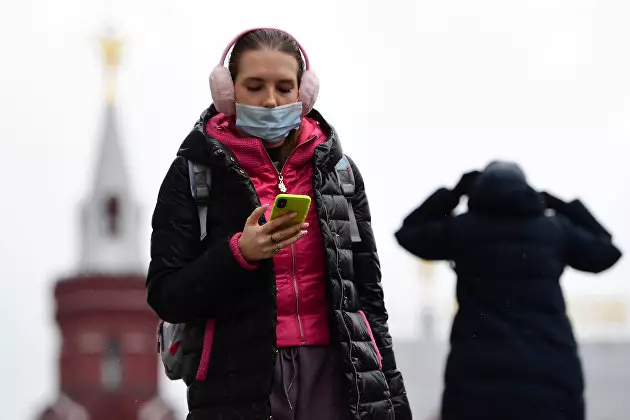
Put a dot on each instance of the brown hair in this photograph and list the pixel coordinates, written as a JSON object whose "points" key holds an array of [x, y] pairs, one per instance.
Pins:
{"points": [[271, 39], [276, 40]]}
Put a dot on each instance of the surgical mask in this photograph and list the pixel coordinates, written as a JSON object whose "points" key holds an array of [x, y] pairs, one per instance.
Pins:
{"points": [[270, 124]]}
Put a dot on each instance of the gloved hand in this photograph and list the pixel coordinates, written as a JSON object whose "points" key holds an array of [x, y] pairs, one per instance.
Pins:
{"points": [[553, 202], [465, 183]]}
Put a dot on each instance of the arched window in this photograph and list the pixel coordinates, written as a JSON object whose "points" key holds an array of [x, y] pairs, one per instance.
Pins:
{"points": [[112, 215], [111, 368]]}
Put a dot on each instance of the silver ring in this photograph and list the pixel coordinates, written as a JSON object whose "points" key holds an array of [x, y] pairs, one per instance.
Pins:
{"points": [[275, 251], [274, 240]]}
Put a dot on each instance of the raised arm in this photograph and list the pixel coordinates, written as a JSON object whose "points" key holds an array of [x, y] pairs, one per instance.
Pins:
{"points": [[426, 232], [589, 245]]}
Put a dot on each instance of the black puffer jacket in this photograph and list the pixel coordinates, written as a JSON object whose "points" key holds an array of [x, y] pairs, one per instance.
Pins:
{"points": [[189, 282], [513, 354]]}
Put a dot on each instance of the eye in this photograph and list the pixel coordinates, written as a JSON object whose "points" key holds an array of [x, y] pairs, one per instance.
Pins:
{"points": [[253, 88], [284, 90]]}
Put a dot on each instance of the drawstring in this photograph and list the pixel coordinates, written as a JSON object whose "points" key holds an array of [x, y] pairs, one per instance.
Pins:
{"points": [[286, 390], [290, 354]]}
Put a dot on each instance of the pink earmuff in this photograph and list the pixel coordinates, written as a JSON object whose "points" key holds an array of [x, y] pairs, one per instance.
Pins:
{"points": [[222, 85]]}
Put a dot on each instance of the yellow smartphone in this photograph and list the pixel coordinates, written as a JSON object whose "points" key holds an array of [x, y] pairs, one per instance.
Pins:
{"points": [[291, 203]]}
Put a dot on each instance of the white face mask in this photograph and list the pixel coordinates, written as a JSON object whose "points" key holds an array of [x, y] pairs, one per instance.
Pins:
{"points": [[270, 124]]}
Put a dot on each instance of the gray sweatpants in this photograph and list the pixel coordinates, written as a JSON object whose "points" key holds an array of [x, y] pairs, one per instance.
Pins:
{"points": [[307, 385]]}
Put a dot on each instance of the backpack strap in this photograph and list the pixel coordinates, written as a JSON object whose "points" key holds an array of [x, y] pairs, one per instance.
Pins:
{"points": [[345, 176], [200, 182]]}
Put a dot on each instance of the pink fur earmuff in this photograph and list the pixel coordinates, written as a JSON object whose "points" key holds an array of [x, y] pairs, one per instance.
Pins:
{"points": [[222, 85]]}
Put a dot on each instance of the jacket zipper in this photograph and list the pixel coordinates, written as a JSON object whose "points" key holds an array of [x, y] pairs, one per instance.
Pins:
{"points": [[283, 189], [297, 297], [343, 321], [281, 186]]}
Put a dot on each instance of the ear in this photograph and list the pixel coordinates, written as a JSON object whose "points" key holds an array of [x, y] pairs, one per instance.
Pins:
{"points": [[222, 90]]}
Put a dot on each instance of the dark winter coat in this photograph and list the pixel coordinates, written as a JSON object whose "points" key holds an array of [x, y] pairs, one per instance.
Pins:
{"points": [[513, 353], [189, 282]]}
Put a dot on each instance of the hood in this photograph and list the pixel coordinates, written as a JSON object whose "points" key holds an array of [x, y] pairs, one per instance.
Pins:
{"points": [[502, 189], [198, 147], [195, 146]]}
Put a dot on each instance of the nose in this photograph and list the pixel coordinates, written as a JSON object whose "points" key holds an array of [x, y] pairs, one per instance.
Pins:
{"points": [[270, 98]]}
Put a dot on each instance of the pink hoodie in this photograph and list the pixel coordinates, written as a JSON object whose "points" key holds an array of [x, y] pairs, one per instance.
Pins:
{"points": [[301, 269]]}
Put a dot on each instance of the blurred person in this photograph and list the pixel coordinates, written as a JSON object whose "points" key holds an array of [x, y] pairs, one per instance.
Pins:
{"points": [[513, 354], [298, 324]]}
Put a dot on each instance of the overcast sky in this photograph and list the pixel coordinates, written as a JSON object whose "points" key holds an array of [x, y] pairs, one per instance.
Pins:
{"points": [[419, 91]]}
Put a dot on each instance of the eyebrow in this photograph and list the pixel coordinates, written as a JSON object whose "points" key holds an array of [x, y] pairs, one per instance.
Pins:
{"points": [[260, 80]]}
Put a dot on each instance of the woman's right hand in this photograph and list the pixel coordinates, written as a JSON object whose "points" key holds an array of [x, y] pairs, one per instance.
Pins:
{"points": [[262, 242]]}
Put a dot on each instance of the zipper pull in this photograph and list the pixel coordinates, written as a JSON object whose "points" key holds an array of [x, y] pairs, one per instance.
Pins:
{"points": [[281, 186]]}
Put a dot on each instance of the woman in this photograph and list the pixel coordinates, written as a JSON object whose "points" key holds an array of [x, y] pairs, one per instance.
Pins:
{"points": [[288, 323], [513, 354]]}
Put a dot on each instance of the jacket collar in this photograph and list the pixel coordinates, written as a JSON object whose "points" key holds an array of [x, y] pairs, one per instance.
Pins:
{"points": [[202, 148]]}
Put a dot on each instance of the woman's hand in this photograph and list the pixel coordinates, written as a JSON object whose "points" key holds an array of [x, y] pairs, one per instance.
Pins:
{"points": [[262, 242]]}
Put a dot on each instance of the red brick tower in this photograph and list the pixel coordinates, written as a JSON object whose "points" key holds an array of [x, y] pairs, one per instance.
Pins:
{"points": [[108, 360]]}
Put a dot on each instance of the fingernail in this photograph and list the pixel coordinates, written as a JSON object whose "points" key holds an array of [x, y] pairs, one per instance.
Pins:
{"points": [[265, 206], [304, 232], [305, 225], [293, 214]]}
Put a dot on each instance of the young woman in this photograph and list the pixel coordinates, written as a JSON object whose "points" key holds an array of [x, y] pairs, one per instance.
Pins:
{"points": [[513, 354], [281, 322]]}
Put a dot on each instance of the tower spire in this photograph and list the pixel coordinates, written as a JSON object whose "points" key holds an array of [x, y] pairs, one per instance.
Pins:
{"points": [[109, 369], [111, 48], [109, 225]]}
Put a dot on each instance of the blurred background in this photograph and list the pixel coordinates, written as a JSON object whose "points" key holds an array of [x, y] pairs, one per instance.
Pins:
{"points": [[429, 88]]}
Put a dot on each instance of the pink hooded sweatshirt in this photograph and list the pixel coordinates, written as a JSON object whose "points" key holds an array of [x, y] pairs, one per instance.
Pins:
{"points": [[300, 269]]}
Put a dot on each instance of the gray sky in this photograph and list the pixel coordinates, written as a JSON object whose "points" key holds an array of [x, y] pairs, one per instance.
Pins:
{"points": [[419, 91]]}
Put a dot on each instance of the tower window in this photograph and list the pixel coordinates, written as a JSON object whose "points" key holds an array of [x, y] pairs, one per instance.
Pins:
{"points": [[111, 369], [112, 215]]}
